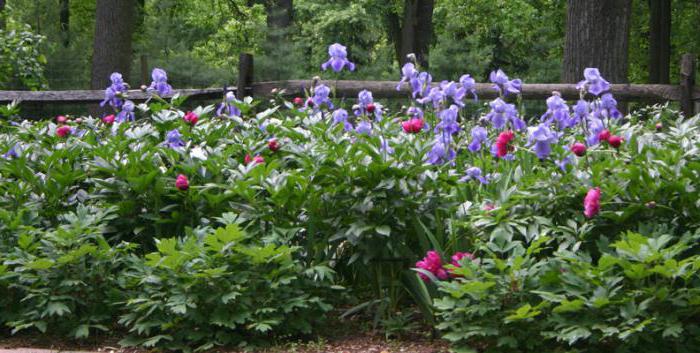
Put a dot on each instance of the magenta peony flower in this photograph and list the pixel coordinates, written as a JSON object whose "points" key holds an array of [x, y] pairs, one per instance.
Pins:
{"points": [[182, 183], [433, 264], [63, 131], [191, 118], [591, 203], [615, 141], [413, 126], [273, 145], [257, 159], [109, 119], [604, 135]]}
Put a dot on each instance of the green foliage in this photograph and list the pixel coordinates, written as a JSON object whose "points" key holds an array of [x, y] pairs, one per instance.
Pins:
{"points": [[63, 280], [639, 294], [224, 289], [21, 63]]}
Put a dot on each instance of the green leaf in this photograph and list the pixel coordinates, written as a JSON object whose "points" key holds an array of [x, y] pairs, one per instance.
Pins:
{"points": [[383, 230]]}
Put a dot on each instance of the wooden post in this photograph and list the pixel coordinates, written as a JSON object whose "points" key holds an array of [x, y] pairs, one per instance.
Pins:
{"points": [[245, 76], [687, 84], [144, 70]]}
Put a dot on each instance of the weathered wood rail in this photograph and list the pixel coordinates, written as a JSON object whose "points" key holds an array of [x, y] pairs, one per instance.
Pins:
{"points": [[686, 93]]}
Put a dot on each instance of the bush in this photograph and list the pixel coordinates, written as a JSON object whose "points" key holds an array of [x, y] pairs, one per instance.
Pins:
{"points": [[225, 289], [64, 280], [640, 295]]}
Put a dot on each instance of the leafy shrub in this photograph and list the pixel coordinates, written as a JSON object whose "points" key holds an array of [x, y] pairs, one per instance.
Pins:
{"points": [[64, 280], [21, 63], [641, 294], [224, 289]]}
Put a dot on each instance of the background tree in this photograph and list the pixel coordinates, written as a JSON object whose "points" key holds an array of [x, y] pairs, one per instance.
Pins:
{"points": [[659, 41], [112, 49], [412, 31], [2, 14], [597, 35]]}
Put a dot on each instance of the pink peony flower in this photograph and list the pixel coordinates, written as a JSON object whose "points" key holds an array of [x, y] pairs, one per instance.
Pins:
{"points": [[298, 101], [433, 264], [109, 119], [502, 143], [61, 119], [591, 203], [413, 126], [257, 159], [578, 149], [615, 141], [457, 257], [182, 183], [191, 118], [63, 131], [659, 126]]}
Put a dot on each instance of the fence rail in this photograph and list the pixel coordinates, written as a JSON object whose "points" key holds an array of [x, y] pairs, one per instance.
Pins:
{"points": [[686, 93]]}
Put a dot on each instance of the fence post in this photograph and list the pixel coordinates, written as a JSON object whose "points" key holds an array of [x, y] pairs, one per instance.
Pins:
{"points": [[688, 62], [245, 75], [144, 70]]}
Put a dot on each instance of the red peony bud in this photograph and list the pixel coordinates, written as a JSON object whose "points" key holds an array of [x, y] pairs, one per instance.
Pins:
{"points": [[615, 141], [604, 136], [63, 131], [273, 145], [578, 149], [298, 101], [182, 183], [191, 118], [109, 119], [371, 108]]}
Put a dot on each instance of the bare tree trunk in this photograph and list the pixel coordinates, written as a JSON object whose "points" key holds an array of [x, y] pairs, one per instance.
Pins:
{"points": [[416, 30], [659, 41], [597, 35], [64, 20], [114, 25]]}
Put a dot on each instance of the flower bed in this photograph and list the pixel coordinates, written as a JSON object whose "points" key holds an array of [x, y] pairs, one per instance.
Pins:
{"points": [[568, 231]]}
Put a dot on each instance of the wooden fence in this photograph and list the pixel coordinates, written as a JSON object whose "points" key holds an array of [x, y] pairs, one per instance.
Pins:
{"points": [[686, 93]]}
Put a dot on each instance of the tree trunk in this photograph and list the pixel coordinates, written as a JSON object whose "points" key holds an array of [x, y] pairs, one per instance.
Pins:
{"points": [[416, 31], [659, 41], [280, 14], [2, 14], [597, 35], [64, 21], [114, 25]]}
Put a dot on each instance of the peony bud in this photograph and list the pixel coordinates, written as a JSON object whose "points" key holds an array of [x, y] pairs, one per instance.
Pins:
{"points": [[298, 101], [604, 135], [659, 126], [61, 119], [182, 183], [63, 131], [371, 108], [191, 118], [109, 119], [273, 145], [615, 141], [578, 149]]}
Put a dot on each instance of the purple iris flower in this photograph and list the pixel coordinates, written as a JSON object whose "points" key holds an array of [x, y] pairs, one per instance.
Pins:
{"points": [[558, 111], [609, 106], [118, 87], [408, 73], [321, 93], [13, 152], [340, 116], [364, 127], [160, 83], [415, 112], [385, 146], [501, 113], [451, 90], [580, 112], [474, 173], [448, 121], [127, 112], [435, 96], [503, 84], [228, 107], [542, 138], [174, 139], [564, 162], [595, 83], [441, 152], [339, 58], [479, 138], [469, 85], [420, 85]]}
